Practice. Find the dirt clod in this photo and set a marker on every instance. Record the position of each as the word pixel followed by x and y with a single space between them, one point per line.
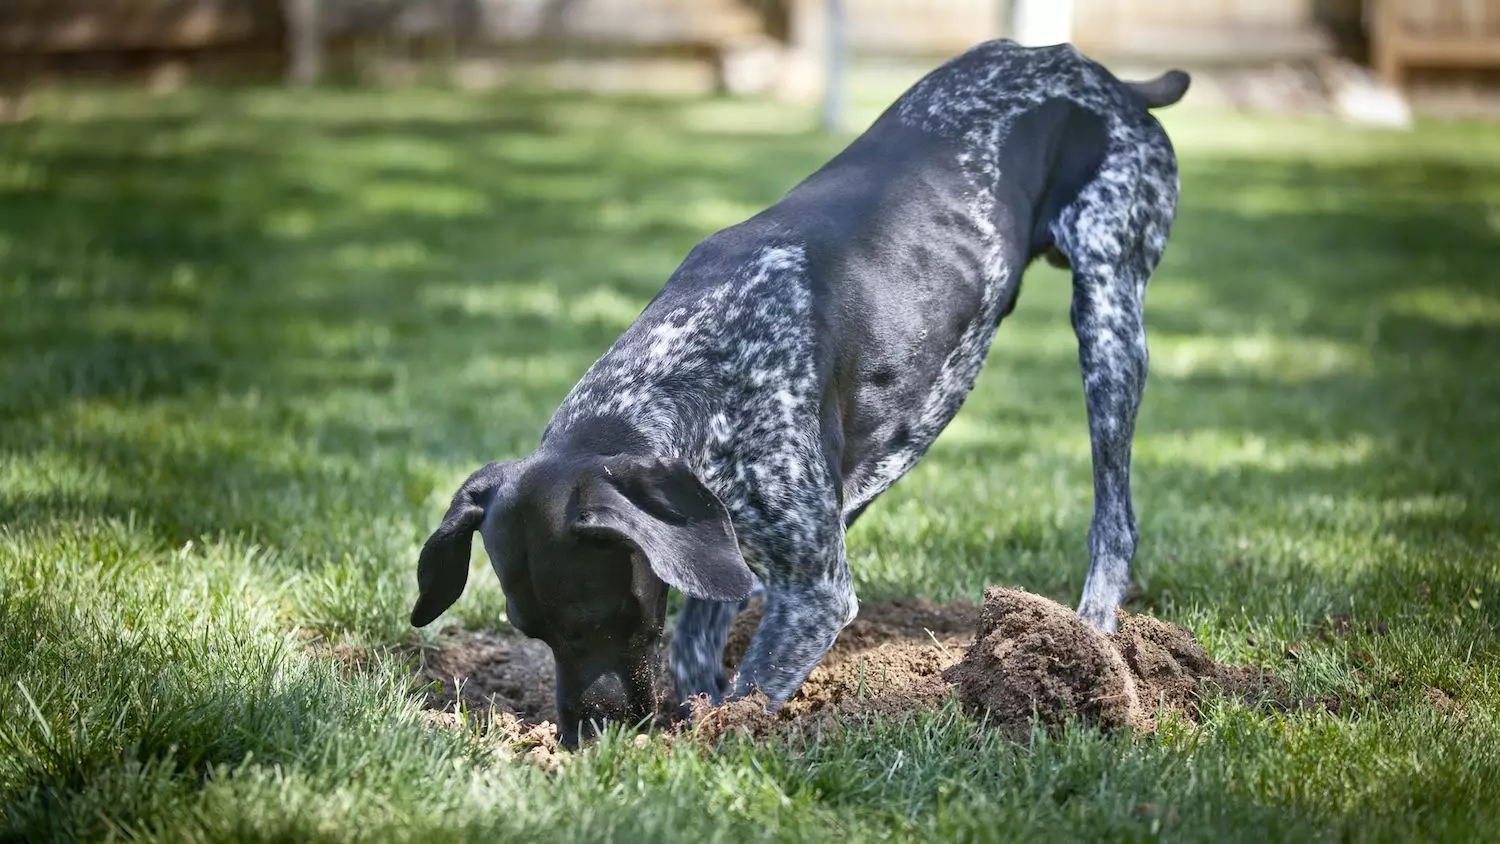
pixel 1443 702
pixel 1035 655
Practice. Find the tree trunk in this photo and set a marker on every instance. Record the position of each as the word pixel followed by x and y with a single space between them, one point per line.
pixel 304 47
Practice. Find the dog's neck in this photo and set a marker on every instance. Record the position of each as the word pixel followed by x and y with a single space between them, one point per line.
pixel 605 436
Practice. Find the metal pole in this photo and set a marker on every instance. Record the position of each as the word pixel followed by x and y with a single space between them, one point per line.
pixel 833 92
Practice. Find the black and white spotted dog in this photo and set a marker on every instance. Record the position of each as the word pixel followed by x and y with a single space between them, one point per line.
pixel 798 364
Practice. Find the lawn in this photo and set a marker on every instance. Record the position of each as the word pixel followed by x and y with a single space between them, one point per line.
pixel 250 341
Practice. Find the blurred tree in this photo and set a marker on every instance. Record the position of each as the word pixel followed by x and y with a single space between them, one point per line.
pixel 304 34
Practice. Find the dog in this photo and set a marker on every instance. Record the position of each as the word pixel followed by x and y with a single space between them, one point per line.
pixel 798 364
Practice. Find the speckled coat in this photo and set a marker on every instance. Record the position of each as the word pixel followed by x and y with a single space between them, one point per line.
pixel 803 361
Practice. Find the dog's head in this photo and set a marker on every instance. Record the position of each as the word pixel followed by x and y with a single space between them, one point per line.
pixel 586 548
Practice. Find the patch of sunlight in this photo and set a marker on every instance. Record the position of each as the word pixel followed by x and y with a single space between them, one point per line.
pixel 362 106
pixel 19 174
pixel 1257 201
pixel 47 473
pixel 966 430
pixel 521 148
pixel 144 323
pixel 705 213
pixel 1286 359
pixel 1196 132
pixel 395 255
pixel 1446 506
pixel 1460 309
pixel 546 371
pixel 1035 340
pixel 743 117
pixel 1189 297
pixel 554 187
pixel 290 224
pixel 357 337
pixel 420 198
pixel 715 212
pixel 1219 450
pixel 583 115
pixel 400 153
pixel 602 305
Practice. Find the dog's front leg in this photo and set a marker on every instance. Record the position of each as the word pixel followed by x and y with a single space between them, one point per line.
pixel 697 658
pixel 697 653
pixel 803 616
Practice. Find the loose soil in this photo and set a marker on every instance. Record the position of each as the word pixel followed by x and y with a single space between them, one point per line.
pixel 1018 660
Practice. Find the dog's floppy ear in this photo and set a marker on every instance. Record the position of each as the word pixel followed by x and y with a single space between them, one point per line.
pixel 661 508
pixel 443 568
pixel 1164 90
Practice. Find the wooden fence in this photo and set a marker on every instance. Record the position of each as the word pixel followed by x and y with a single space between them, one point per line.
pixel 1409 34
pixel 76 26
pixel 1402 34
pixel 1239 31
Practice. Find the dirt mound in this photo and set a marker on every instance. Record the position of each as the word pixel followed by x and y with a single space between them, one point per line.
pixel 888 662
pixel 902 620
pixel 1036 656
pixel 1031 657
pixel 533 742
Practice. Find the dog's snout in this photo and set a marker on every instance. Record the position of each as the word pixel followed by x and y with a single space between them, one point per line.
pixel 597 699
pixel 605 695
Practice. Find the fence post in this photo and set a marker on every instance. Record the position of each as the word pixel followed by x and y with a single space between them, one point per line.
pixel 304 40
pixel 837 66
pixel 1042 23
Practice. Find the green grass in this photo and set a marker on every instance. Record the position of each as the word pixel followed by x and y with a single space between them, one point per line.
pixel 251 340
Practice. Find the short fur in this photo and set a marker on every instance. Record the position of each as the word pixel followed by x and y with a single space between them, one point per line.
pixel 798 364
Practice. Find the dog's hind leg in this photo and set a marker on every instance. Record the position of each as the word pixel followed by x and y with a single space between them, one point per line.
pixel 1114 235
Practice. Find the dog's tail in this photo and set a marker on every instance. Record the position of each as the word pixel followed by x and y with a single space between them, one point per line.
pixel 1164 90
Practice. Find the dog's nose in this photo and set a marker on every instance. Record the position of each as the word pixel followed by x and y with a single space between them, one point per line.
pixel 605 696
pixel 603 700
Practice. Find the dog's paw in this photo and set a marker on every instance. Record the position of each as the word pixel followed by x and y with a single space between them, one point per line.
pixel 1099 617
